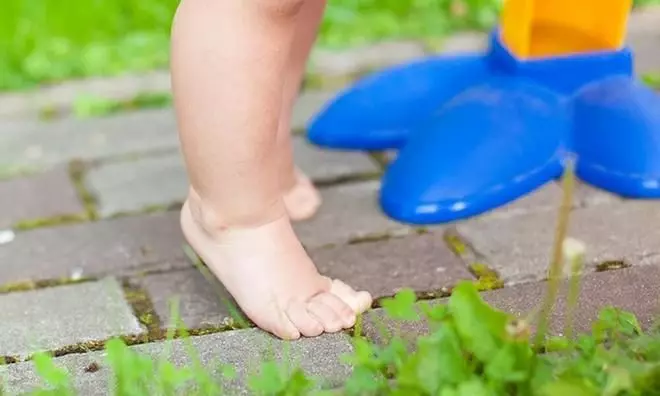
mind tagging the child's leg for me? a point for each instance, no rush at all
(228, 59)
(300, 197)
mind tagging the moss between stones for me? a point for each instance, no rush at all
(77, 173)
(4, 360)
(612, 265)
(487, 278)
(142, 306)
(314, 81)
(455, 243)
(380, 158)
(30, 224)
(28, 285)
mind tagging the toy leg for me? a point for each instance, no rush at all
(301, 198)
(486, 147)
(229, 59)
(617, 137)
(380, 111)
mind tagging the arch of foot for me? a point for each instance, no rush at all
(547, 28)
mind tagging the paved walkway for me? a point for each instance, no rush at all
(91, 247)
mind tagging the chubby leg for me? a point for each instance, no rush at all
(301, 198)
(228, 62)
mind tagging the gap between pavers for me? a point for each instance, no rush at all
(155, 181)
(245, 350)
(52, 318)
(636, 290)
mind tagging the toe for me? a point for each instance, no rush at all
(358, 301)
(331, 312)
(306, 323)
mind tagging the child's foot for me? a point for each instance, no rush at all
(272, 279)
(302, 201)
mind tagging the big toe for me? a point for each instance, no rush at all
(359, 301)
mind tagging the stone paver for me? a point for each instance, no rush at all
(420, 262)
(329, 165)
(30, 143)
(34, 143)
(643, 36)
(51, 318)
(94, 249)
(138, 184)
(135, 184)
(353, 61)
(46, 195)
(201, 303)
(61, 97)
(519, 248)
(349, 212)
(632, 289)
(242, 349)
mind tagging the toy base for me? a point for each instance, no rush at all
(486, 147)
(475, 141)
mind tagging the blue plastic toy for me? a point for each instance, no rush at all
(476, 132)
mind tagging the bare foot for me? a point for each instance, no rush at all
(302, 201)
(272, 279)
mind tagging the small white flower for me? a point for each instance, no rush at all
(6, 236)
(573, 249)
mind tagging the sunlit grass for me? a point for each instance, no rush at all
(45, 40)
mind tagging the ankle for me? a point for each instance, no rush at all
(214, 222)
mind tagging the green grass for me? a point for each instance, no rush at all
(45, 41)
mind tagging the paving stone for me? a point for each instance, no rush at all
(201, 303)
(633, 289)
(62, 97)
(330, 165)
(519, 248)
(45, 195)
(643, 36)
(349, 212)
(586, 195)
(51, 318)
(463, 42)
(34, 143)
(161, 180)
(243, 349)
(333, 63)
(421, 262)
(308, 104)
(134, 185)
(94, 249)
(31, 143)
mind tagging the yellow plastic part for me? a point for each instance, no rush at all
(547, 28)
